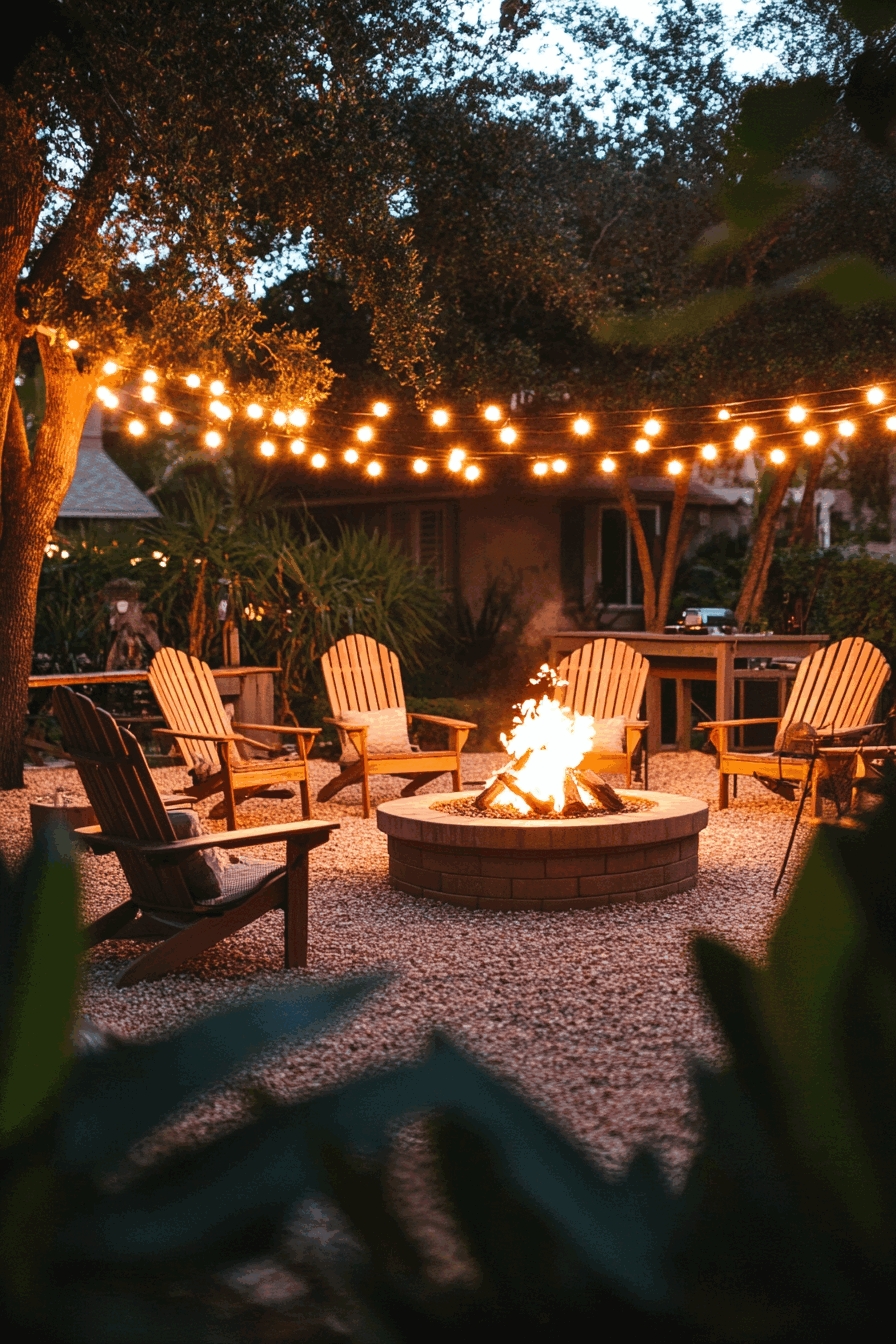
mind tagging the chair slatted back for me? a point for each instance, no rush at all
(123, 794)
(837, 687)
(362, 675)
(191, 703)
(605, 678)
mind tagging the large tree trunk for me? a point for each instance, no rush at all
(803, 533)
(672, 549)
(645, 559)
(34, 487)
(752, 594)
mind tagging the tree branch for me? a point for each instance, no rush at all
(671, 550)
(645, 559)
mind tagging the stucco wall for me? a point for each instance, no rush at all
(518, 539)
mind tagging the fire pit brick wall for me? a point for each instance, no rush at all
(501, 876)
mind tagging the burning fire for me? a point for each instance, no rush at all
(546, 746)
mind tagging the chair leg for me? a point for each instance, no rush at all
(202, 935)
(353, 774)
(305, 794)
(295, 911)
(365, 793)
(817, 797)
(723, 791)
(108, 925)
(229, 800)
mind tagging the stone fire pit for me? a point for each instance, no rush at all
(557, 864)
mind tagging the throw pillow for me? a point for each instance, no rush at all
(387, 732)
(204, 872)
(609, 735)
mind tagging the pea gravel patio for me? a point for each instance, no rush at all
(592, 1014)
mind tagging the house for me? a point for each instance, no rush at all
(562, 543)
(100, 491)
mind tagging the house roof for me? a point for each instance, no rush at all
(99, 488)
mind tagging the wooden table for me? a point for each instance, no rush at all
(250, 689)
(687, 658)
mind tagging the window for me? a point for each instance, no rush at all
(619, 573)
(421, 532)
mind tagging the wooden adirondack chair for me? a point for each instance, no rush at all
(194, 711)
(362, 676)
(134, 825)
(832, 703)
(606, 679)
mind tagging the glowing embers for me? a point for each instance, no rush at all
(546, 746)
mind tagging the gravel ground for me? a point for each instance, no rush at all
(594, 1015)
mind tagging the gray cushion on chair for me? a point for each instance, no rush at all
(216, 878)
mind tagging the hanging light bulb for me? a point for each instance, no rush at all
(374, 468)
(213, 439)
(73, 344)
(279, 419)
(492, 413)
(456, 459)
(351, 456)
(811, 438)
(743, 438)
(136, 427)
(709, 452)
(675, 468)
(796, 415)
(364, 434)
(642, 446)
(318, 461)
(559, 465)
(298, 417)
(166, 418)
(220, 410)
(581, 426)
(380, 409)
(254, 411)
(148, 392)
(875, 395)
(777, 456)
(440, 418)
(192, 380)
(608, 465)
(266, 448)
(846, 429)
(150, 376)
(110, 367)
(297, 447)
(540, 469)
(651, 427)
(420, 466)
(508, 435)
(109, 399)
(216, 388)
(472, 472)
(890, 423)
(724, 414)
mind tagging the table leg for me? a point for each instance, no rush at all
(654, 715)
(725, 681)
(683, 714)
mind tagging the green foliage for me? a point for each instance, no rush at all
(854, 282)
(839, 594)
(292, 591)
(869, 16)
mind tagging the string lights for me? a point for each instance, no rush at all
(775, 428)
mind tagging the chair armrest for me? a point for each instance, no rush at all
(197, 737)
(734, 723)
(637, 723)
(446, 723)
(165, 851)
(278, 728)
(348, 727)
(850, 732)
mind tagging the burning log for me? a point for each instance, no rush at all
(539, 806)
(572, 799)
(494, 790)
(603, 794)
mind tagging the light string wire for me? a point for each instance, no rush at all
(807, 418)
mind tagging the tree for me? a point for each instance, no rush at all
(153, 161)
